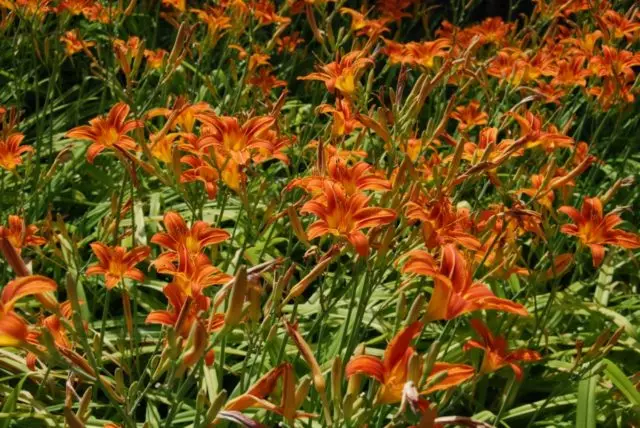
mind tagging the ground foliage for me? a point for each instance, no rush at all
(319, 213)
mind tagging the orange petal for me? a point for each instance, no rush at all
(367, 365)
(25, 286)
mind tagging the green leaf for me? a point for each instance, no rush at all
(586, 406)
(622, 382)
(9, 405)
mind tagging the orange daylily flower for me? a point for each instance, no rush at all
(614, 63)
(73, 42)
(182, 318)
(289, 43)
(13, 329)
(202, 171)
(392, 371)
(544, 197)
(549, 138)
(394, 9)
(108, 132)
(191, 274)
(194, 239)
(256, 395)
(239, 141)
(441, 221)
(265, 81)
(496, 354)
(492, 30)
(618, 26)
(469, 116)
(342, 74)
(21, 235)
(344, 120)
(11, 151)
(454, 292)
(74, 7)
(215, 20)
(363, 26)
(345, 215)
(182, 114)
(265, 12)
(351, 179)
(595, 230)
(422, 54)
(116, 263)
(155, 58)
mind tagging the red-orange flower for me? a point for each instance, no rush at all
(11, 151)
(13, 329)
(469, 116)
(108, 132)
(595, 230)
(344, 120)
(351, 179)
(239, 141)
(342, 74)
(116, 263)
(496, 353)
(256, 395)
(21, 235)
(345, 215)
(180, 317)
(454, 292)
(74, 43)
(392, 370)
(193, 239)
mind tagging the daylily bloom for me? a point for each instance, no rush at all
(363, 26)
(595, 230)
(441, 221)
(289, 43)
(116, 263)
(177, 313)
(182, 114)
(496, 353)
(74, 43)
(570, 73)
(422, 54)
(202, 171)
(345, 215)
(215, 20)
(239, 141)
(191, 274)
(342, 74)
(21, 235)
(74, 7)
(351, 179)
(618, 26)
(492, 30)
(193, 239)
(256, 395)
(454, 292)
(13, 329)
(392, 371)
(11, 151)
(265, 81)
(155, 58)
(344, 120)
(543, 196)
(469, 116)
(549, 138)
(108, 132)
